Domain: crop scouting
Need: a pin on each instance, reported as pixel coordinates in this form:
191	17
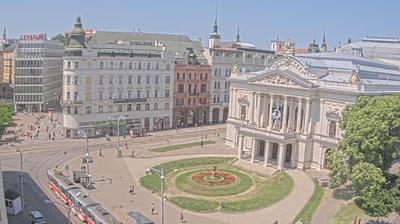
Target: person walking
100	153
133	189
168	141
126	145
153	209
181	218
133	153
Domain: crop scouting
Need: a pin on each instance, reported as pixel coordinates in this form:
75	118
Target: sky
260	21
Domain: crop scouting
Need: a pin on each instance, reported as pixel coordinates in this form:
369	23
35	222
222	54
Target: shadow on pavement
343	193
35	199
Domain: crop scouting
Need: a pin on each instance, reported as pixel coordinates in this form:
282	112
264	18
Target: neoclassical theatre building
287	116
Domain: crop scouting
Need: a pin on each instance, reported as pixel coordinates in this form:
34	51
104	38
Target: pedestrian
100	153
201	143
133	153
168	141
47	129
355	220
152	208
130	190
181	218
49	136
133	189
359	221
218	134
206	136
126	145
176	129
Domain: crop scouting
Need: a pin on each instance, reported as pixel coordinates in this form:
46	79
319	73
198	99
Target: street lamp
202	123
87	157
21	153
162	174
119	118
73	206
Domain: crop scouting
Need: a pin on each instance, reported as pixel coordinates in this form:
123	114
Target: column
285	106
266	153
264	109
251	107
231	97
291	115
280	156
253	150
236	112
300	105
258	111
240	148
307	117
271	102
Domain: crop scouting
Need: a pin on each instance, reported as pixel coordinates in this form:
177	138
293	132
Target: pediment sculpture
279	80
243	100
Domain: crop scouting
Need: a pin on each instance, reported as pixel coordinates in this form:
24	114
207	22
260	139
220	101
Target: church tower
237	36
215	37
77	39
324	47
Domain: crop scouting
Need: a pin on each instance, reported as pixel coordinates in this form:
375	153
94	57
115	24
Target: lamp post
72	206
21	153
119	118
161	173
87	156
202	123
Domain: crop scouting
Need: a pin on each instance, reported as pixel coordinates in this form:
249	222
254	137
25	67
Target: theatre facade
287	116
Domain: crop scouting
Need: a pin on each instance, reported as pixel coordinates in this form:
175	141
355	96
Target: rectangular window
156	79
167	106
167	93
155	93
110	80
139	79
138	94
110	108
147	94
100	110
130	79
76	80
68	80
148	79
129	94
88	110
203	88
137	107
110	95
180	88
168	79
120	79
100	95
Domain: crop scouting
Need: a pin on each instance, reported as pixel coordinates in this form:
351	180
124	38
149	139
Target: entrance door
288	156
261	151
274	151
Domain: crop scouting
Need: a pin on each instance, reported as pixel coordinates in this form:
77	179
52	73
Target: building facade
8	73
123	79
287	116
223	56
38	73
3	211
191	93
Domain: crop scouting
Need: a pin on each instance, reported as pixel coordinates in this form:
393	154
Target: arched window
156	106
69	65
119	108
68	96
147	106
76	65
68	110
332	129
129	107
130	65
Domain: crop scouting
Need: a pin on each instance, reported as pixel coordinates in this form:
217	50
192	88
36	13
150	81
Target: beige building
287	116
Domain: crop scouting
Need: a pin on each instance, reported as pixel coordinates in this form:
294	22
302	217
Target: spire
215	30
324	40
324	47
238	35
4	33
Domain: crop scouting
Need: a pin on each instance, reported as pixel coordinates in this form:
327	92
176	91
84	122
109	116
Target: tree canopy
62	38
6	119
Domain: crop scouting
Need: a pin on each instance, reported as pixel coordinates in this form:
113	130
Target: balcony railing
133	100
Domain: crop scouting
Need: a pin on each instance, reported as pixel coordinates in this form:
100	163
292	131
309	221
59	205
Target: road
42	154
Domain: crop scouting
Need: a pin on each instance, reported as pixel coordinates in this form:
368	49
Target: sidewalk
112	179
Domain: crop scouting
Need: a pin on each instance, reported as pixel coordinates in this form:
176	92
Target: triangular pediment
281	78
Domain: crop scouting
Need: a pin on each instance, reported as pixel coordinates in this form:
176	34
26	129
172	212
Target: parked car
35	217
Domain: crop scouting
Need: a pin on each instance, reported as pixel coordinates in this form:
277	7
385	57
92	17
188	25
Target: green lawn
308	210
347	214
196	205
152	181
180	146
267	192
253	191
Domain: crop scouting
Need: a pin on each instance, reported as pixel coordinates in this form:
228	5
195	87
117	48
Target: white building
3	211
288	114
222	56
127	75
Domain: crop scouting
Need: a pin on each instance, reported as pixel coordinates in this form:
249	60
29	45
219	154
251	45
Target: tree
395	190
5	117
339	170
378	202
371	130
62	38
366	179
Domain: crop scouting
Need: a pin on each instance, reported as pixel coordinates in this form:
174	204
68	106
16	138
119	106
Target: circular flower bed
219	178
